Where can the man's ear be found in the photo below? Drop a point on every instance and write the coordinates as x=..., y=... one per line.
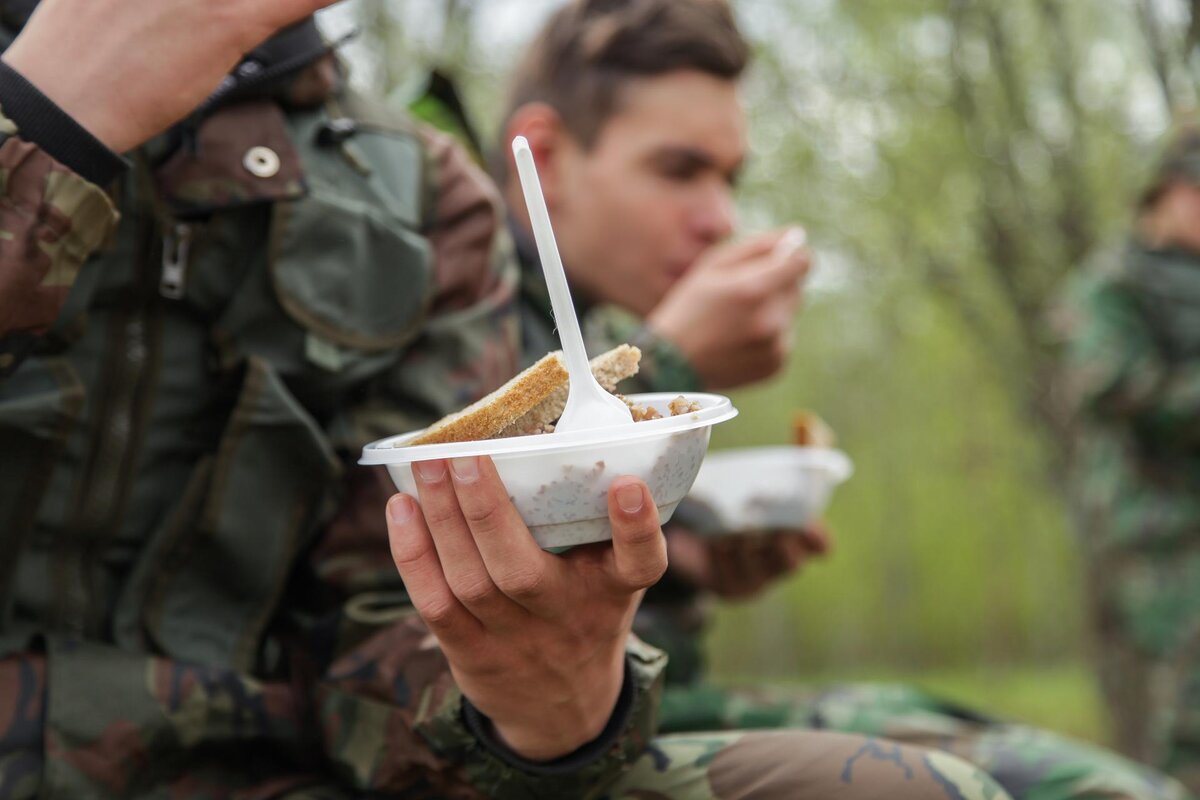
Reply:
x=542, y=127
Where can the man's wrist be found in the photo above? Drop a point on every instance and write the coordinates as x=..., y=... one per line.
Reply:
x=41, y=121
x=491, y=768
x=527, y=758
x=560, y=722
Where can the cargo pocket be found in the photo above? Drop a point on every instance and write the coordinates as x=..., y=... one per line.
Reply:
x=39, y=406
x=207, y=588
x=347, y=261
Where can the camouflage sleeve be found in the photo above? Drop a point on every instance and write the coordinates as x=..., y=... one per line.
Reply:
x=393, y=717
x=51, y=220
x=1119, y=372
x=663, y=368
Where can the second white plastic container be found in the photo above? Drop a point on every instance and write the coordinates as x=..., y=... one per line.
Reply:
x=765, y=488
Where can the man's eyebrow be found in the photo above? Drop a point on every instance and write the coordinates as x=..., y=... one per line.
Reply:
x=694, y=156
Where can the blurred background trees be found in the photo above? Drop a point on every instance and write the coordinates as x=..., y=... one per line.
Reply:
x=954, y=162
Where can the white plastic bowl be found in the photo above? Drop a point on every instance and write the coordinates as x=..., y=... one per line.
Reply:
x=559, y=481
x=765, y=488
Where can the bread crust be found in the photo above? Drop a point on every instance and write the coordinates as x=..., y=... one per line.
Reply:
x=529, y=402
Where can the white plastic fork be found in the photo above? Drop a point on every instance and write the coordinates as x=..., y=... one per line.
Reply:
x=588, y=404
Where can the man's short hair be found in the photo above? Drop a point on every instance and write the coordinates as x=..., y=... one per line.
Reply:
x=591, y=49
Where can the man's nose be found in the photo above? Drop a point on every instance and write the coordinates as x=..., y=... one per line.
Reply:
x=715, y=216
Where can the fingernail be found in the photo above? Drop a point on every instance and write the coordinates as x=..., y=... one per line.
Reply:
x=465, y=469
x=431, y=471
x=400, y=509
x=629, y=498
x=795, y=238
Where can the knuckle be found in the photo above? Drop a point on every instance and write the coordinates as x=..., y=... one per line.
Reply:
x=805, y=262
x=643, y=536
x=646, y=575
x=763, y=330
x=438, y=515
x=437, y=611
x=407, y=556
x=746, y=292
x=798, y=261
x=481, y=518
x=474, y=590
x=527, y=584
x=651, y=564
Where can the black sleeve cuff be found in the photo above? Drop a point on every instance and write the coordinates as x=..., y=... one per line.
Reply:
x=572, y=762
x=43, y=123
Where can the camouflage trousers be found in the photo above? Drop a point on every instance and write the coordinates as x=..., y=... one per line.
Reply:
x=149, y=763
x=783, y=765
x=1146, y=612
x=1031, y=764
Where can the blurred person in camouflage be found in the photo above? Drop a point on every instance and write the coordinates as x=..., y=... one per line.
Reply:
x=196, y=338
x=1134, y=356
x=632, y=109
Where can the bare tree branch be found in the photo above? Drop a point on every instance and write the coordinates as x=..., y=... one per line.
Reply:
x=1008, y=224
x=1076, y=214
x=1004, y=256
x=1192, y=38
x=1000, y=47
x=1159, y=57
x=458, y=17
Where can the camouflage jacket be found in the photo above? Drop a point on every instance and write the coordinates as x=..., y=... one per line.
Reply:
x=1134, y=363
x=191, y=359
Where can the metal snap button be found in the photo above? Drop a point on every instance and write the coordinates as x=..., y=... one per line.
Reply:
x=262, y=162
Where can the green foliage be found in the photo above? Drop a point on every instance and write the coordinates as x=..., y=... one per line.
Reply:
x=950, y=546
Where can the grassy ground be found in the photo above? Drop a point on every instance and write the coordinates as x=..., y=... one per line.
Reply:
x=1062, y=698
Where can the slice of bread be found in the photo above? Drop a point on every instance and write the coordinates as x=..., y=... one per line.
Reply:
x=809, y=430
x=608, y=368
x=530, y=401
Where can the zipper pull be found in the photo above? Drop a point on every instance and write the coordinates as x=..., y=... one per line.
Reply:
x=177, y=245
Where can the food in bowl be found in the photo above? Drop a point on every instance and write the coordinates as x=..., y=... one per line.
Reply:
x=761, y=489
x=532, y=402
x=559, y=481
x=809, y=430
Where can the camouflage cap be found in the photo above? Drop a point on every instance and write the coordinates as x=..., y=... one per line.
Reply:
x=1179, y=163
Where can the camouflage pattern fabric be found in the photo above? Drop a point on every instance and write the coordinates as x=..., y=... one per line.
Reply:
x=1134, y=320
x=1028, y=762
x=798, y=765
x=65, y=216
x=662, y=364
x=171, y=730
x=748, y=767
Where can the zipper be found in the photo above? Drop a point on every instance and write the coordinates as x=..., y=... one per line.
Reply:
x=106, y=478
x=177, y=247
